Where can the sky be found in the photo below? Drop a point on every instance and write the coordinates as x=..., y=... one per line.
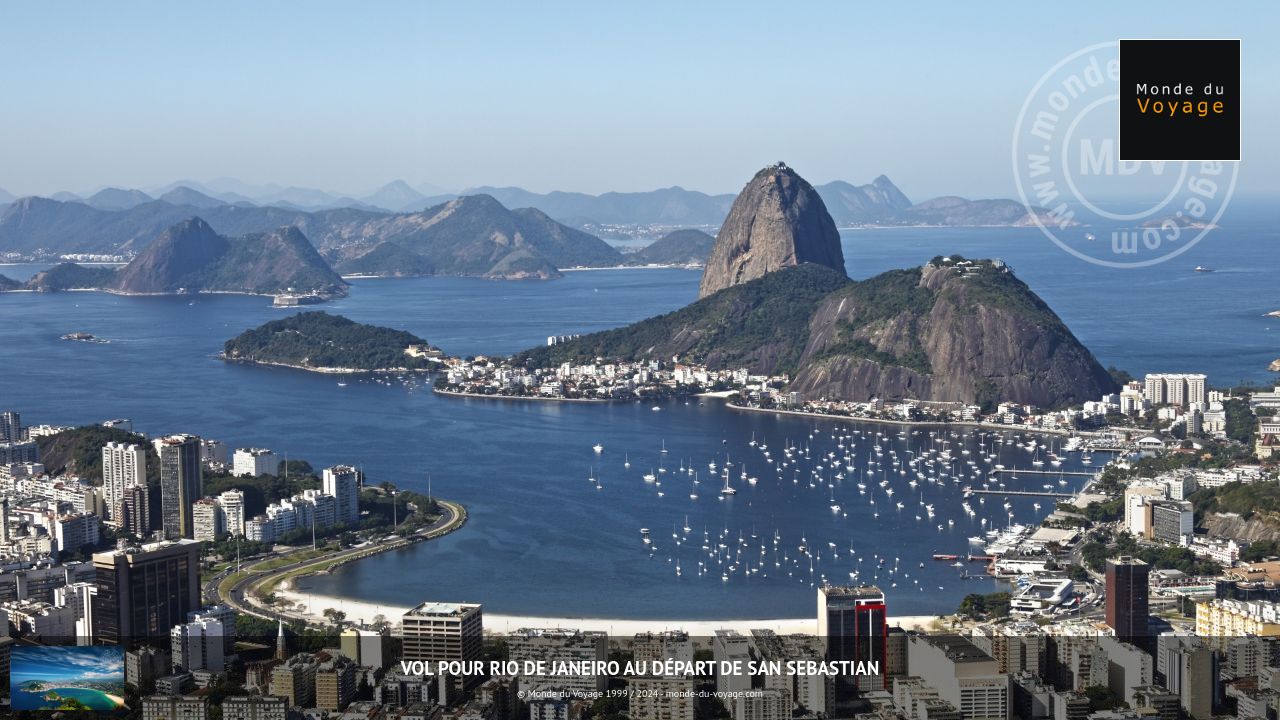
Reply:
x=589, y=97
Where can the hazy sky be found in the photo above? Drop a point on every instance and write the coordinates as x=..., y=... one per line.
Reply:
x=589, y=97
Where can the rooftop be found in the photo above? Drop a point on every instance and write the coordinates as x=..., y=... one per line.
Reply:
x=957, y=649
x=443, y=609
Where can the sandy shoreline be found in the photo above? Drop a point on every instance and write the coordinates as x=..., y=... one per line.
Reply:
x=361, y=611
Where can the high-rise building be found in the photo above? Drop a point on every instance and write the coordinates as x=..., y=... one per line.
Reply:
x=367, y=647
x=144, y=591
x=962, y=674
x=135, y=510
x=181, y=483
x=435, y=631
x=1127, y=611
x=143, y=665
x=206, y=519
x=11, y=426
x=252, y=462
x=854, y=623
x=341, y=481
x=232, y=504
x=295, y=680
x=1173, y=521
x=124, y=465
x=199, y=645
x=335, y=683
x=1182, y=389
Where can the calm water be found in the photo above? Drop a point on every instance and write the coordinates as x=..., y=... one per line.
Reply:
x=542, y=539
x=92, y=699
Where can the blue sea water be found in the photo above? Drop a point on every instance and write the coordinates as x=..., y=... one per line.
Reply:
x=541, y=539
x=92, y=699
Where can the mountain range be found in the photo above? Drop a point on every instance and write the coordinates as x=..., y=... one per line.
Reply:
x=472, y=235
x=775, y=298
x=877, y=203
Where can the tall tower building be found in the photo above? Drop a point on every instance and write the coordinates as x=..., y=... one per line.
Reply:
x=853, y=622
x=1127, y=611
x=340, y=482
x=124, y=465
x=142, y=592
x=10, y=426
x=181, y=483
x=232, y=504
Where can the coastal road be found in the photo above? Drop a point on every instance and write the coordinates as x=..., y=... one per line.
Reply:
x=236, y=593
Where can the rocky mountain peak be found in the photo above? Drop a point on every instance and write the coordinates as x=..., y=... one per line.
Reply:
x=777, y=221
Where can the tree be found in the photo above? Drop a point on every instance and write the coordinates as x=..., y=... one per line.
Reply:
x=335, y=616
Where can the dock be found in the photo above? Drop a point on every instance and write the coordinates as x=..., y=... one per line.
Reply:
x=1073, y=473
x=1025, y=493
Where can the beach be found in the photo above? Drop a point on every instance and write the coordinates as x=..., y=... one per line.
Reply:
x=314, y=606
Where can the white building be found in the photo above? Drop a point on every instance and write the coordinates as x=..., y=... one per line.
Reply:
x=231, y=502
x=199, y=645
x=124, y=465
x=341, y=481
x=1180, y=389
x=252, y=462
x=206, y=518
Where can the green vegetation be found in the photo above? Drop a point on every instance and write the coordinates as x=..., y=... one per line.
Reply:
x=1161, y=557
x=993, y=606
x=261, y=491
x=320, y=340
x=884, y=298
x=1242, y=424
x=1245, y=500
x=7, y=284
x=763, y=324
x=79, y=451
x=1260, y=550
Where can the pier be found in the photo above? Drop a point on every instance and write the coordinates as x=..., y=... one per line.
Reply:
x=1055, y=473
x=1027, y=493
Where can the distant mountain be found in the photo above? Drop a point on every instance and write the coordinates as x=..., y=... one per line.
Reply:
x=300, y=198
x=190, y=256
x=387, y=259
x=681, y=247
x=64, y=196
x=117, y=199
x=7, y=283
x=185, y=196
x=668, y=206
x=396, y=196
x=5, y=197
x=882, y=203
x=778, y=220
x=852, y=203
x=475, y=235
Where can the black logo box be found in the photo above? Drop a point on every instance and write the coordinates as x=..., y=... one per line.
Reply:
x=1186, y=65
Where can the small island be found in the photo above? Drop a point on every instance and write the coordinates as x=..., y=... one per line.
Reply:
x=319, y=342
